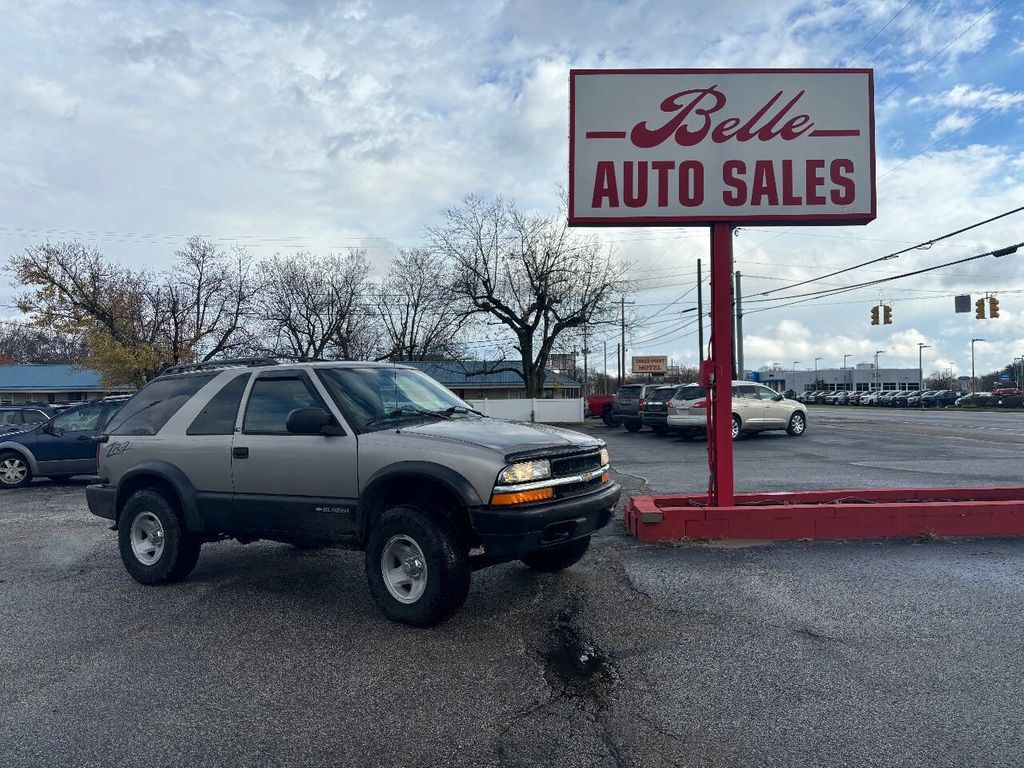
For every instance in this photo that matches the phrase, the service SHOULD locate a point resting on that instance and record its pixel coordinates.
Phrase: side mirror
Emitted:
(311, 421)
(778, 397)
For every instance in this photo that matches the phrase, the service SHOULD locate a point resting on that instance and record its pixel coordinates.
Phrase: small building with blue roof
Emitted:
(52, 383)
(483, 380)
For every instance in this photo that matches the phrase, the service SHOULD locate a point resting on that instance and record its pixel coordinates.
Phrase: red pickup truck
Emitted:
(601, 405)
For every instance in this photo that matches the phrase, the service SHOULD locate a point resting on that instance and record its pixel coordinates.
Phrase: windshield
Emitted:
(662, 395)
(377, 398)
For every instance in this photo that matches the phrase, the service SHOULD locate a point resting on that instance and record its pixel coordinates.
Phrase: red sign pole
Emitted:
(720, 488)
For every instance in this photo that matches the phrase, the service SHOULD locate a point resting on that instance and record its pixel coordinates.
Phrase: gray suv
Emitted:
(370, 456)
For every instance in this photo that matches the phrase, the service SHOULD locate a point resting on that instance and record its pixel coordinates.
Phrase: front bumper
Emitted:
(102, 500)
(508, 533)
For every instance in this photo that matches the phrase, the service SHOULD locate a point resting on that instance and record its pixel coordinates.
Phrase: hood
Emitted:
(505, 437)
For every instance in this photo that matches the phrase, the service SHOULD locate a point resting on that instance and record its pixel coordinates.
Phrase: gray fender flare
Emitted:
(174, 477)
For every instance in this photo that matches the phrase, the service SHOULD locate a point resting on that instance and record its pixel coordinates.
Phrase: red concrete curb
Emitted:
(844, 514)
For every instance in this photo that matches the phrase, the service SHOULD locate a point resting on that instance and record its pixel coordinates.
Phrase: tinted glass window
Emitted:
(9, 418)
(271, 400)
(84, 419)
(218, 417)
(34, 417)
(149, 410)
(662, 395)
(630, 391)
(689, 393)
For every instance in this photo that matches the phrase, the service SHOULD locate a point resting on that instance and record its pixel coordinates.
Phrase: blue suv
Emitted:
(61, 447)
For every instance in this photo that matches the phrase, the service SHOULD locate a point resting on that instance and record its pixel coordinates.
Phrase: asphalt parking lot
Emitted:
(802, 654)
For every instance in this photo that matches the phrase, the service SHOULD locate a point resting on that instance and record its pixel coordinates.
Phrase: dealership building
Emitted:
(860, 378)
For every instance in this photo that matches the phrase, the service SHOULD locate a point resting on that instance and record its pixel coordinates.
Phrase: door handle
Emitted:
(240, 453)
(84, 437)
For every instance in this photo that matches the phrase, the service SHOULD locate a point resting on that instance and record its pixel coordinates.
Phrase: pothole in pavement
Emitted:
(574, 666)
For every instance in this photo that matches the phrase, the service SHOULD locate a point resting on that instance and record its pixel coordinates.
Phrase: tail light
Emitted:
(641, 402)
(700, 404)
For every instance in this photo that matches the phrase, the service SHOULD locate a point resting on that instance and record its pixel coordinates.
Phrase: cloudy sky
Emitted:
(329, 125)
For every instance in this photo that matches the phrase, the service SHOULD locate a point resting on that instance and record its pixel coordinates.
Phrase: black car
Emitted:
(655, 413)
(18, 418)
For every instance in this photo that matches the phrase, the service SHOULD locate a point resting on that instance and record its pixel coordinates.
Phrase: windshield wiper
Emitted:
(399, 412)
(459, 409)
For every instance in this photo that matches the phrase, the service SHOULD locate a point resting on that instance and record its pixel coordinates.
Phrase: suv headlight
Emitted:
(525, 472)
(604, 456)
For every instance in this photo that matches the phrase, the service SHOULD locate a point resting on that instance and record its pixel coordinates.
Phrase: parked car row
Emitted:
(897, 398)
(682, 408)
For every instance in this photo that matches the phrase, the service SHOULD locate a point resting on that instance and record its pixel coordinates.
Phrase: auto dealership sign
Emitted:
(692, 146)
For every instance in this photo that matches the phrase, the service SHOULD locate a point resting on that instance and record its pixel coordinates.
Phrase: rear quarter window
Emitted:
(689, 393)
(153, 406)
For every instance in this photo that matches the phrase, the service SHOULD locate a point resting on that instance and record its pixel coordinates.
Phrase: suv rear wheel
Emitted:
(558, 557)
(417, 566)
(155, 547)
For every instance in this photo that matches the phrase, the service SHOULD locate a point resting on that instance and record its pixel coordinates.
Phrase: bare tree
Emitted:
(134, 323)
(315, 307)
(419, 311)
(531, 273)
(208, 295)
(24, 343)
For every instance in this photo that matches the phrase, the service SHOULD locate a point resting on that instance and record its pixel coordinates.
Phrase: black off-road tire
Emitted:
(634, 426)
(610, 419)
(558, 557)
(446, 557)
(180, 551)
(14, 456)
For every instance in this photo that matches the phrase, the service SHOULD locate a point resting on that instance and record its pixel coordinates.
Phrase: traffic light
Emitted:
(887, 314)
(979, 309)
(993, 306)
(874, 315)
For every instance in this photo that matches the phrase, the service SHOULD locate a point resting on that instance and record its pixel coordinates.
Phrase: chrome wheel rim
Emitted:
(404, 568)
(147, 536)
(735, 428)
(798, 424)
(13, 470)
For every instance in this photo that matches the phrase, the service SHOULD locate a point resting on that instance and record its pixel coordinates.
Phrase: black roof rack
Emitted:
(212, 365)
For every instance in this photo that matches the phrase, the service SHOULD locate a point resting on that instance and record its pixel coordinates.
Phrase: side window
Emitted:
(218, 417)
(8, 418)
(34, 417)
(84, 419)
(764, 393)
(270, 402)
(744, 392)
(150, 409)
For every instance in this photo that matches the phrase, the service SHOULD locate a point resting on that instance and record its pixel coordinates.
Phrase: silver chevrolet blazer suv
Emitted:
(377, 457)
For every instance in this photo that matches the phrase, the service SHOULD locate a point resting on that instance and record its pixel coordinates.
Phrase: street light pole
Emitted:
(878, 376)
(795, 364)
(973, 386)
(816, 372)
(920, 370)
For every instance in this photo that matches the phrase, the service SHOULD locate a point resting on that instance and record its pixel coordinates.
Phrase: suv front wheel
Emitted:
(155, 547)
(417, 566)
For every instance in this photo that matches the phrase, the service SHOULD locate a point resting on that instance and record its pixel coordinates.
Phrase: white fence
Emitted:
(548, 411)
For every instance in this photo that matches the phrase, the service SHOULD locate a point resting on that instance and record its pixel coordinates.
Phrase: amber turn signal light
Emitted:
(521, 497)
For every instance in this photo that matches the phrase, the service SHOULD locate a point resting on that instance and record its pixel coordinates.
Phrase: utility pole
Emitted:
(622, 369)
(700, 313)
(973, 385)
(586, 371)
(604, 381)
(618, 362)
(920, 369)
(739, 327)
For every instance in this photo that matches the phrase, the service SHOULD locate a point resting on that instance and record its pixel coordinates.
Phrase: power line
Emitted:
(895, 254)
(853, 58)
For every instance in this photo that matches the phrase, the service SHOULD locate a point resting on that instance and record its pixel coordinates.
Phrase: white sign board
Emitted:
(695, 146)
